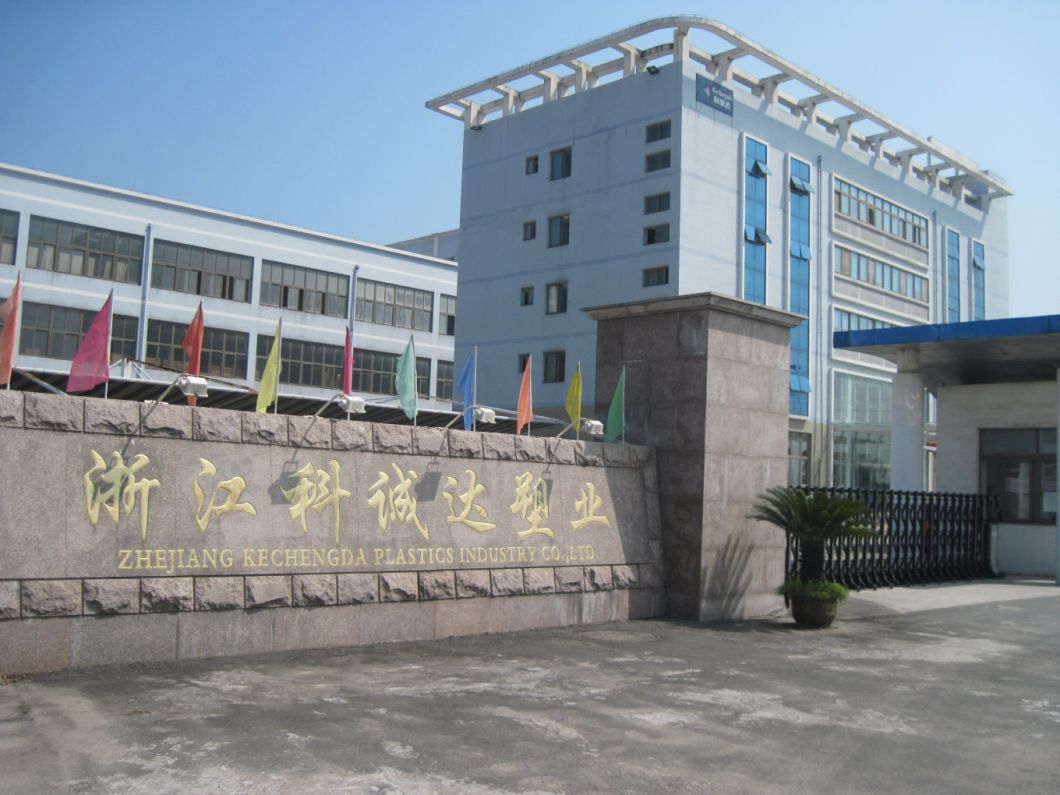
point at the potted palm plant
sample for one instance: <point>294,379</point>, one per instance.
<point>813,519</point>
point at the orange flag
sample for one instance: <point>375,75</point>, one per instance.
<point>192,346</point>
<point>91,365</point>
<point>9,317</point>
<point>525,408</point>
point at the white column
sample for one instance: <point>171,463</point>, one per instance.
<point>907,424</point>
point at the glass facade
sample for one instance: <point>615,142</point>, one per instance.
<point>393,305</point>
<point>953,276</point>
<point>201,271</point>
<point>304,289</point>
<point>978,281</point>
<point>861,439</point>
<point>799,287</point>
<point>756,174</point>
<point>845,320</point>
<point>84,250</point>
<point>1019,467</point>
<point>880,274</point>
<point>889,218</point>
<point>55,332</point>
<point>224,352</point>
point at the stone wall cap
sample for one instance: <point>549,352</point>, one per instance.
<point>683,303</point>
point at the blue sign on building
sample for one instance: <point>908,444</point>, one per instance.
<point>714,94</point>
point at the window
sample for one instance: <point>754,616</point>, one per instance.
<point>656,203</point>
<point>861,460</point>
<point>447,315</point>
<point>555,367</point>
<point>851,321</point>
<point>8,236</point>
<point>526,296</point>
<point>653,277</point>
<point>304,289</point>
<point>55,332</point>
<point>880,274</point>
<point>1019,467</point>
<point>531,165</point>
<point>555,298</point>
<point>560,163</point>
<point>444,388</point>
<point>374,372</point>
<point>861,401</point>
<point>558,230</point>
<point>756,175</point>
<point>523,359</point>
<point>873,210</point>
<point>224,353</point>
<point>529,230</point>
<point>84,250</point>
<point>799,445</point>
<point>978,281</point>
<point>303,363</point>
<point>656,234</point>
<point>201,271</point>
<point>394,305</point>
<point>657,131</point>
<point>657,161</point>
<point>799,287</point>
<point>953,276</point>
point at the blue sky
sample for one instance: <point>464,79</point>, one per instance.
<point>312,113</point>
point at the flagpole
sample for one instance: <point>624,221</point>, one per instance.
<point>474,388</point>
<point>279,365</point>
<point>415,381</point>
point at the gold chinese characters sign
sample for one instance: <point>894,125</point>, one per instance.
<point>166,507</point>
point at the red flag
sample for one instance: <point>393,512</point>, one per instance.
<point>9,317</point>
<point>525,408</point>
<point>91,366</point>
<point>347,364</point>
<point>192,346</point>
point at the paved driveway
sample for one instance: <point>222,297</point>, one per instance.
<point>945,689</point>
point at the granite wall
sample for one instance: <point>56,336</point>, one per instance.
<point>130,533</point>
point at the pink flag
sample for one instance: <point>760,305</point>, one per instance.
<point>9,315</point>
<point>91,366</point>
<point>347,365</point>
<point>524,412</point>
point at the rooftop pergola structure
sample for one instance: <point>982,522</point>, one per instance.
<point>640,48</point>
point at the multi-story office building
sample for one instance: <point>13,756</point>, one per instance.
<point>73,242</point>
<point>677,157</point>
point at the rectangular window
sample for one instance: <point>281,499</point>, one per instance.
<point>861,401</point>
<point>447,315</point>
<point>55,332</point>
<point>64,247</point>
<point>304,363</point>
<point>845,320</point>
<point>555,298</point>
<point>1019,467</point>
<point>953,276</point>
<point>653,277</point>
<point>978,281</point>
<point>657,131</point>
<point>879,274</point>
<point>558,230</point>
<point>394,305</point>
<point>224,352</point>
<point>799,446</point>
<point>529,230</point>
<point>656,203</point>
<point>657,161</point>
<point>523,359</point>
<point>444,388</point>
<point>889,218</point>
<point>201,271</point>
<point>560,163</point>
<point>304,289</point>
<point>861,459</point>
<point>656,234</point>
<point>555,367</point>
<point>756,175</point>
<point>799,287</point>
<point>531,165</point>
<point>8,236</point>
<point>526,296</point>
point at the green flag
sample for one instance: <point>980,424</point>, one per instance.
<point>270,376</point>
<point>616,415</point>
<point>406,381</point>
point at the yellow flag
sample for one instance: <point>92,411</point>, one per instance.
<point>270,377</point>
<point>574,396</point>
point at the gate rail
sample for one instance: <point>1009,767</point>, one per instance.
<point>924,537</point>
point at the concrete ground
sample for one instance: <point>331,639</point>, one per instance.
<point>941,689</point>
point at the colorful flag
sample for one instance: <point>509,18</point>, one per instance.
<point>192,346</point>
<point>466,384</point>
<point>347,364</point>
<point>574,398</point>
<point>91,365</point>
<point>525,408</point>
<point>270,377</point>
<point>406,381</point>
<point>9,317</point>
<point>616,415</point>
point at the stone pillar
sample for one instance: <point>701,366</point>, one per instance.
<point>707,386</point>
<point>907,424</point>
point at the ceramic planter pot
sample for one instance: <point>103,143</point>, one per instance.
<point>814,613</point>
